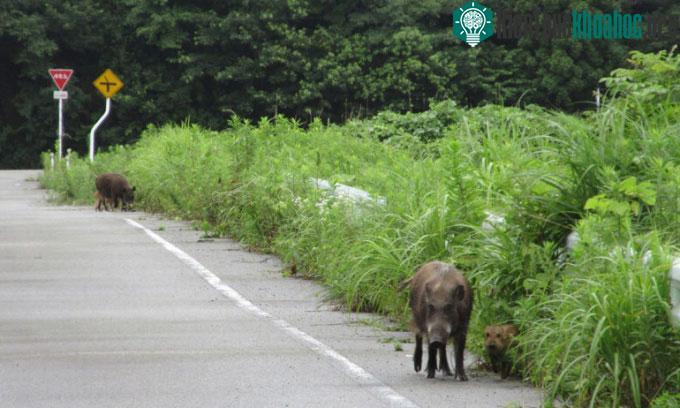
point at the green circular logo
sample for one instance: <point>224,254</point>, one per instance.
<point>473,23</point>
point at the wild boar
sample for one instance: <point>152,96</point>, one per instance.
<point>116,189</point>
<point>441,302</point>
<point>497,340</point>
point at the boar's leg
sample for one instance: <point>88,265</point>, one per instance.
<point>418,354</point>
<point>506,365</point>
<point>432,359</point>
<point>444,361</point>
<point>459,350</point>
<point>494,363</point>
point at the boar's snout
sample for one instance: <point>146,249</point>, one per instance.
<point>438,334</point>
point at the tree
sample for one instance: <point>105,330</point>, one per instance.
<point>206,61</point>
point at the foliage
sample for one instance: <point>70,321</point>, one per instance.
<point>666,400</point>
<point>603,338</point>
<point>653,78</point>
<point>206,61</point>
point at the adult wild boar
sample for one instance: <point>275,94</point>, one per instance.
<point>115,189</point>
<point>441,302</point>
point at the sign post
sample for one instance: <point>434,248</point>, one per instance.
<point>108,84</point>
<point>60,78</point>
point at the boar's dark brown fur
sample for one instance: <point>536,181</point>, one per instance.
<point>497,339</point>
<point>441,302</point>
<point>115,189</point>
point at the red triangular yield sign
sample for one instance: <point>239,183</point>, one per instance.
<point>61,77</point>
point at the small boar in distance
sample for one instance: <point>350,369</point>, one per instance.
<point>441,303</point>
<point>497,340</point>
<point>115,189</point>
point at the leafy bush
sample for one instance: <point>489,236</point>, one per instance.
<point>666,400</point>
<point>653,78</point>
<point>604,337</point>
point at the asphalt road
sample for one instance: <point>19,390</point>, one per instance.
<point>130,310</point>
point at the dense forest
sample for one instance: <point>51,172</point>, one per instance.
<point>205,61</point>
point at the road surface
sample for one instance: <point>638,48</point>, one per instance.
<point>130,310</point>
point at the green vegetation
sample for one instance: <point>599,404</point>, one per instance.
<point>667,400</point>
<point>593,320</point>
<point>209,60</point>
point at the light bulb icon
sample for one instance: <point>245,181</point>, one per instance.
<point>473,23</point>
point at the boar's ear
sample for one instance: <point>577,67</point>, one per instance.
<point>459,292</point>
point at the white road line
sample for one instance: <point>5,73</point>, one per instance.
<point>357,373</point>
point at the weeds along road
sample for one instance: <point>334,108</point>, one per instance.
<point>128,310</point>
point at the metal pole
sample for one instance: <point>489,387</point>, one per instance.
<point>61,129</point>
<point>96,125</point>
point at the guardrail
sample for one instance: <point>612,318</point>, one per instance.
<point>492,221</point>
<point>346,192</point>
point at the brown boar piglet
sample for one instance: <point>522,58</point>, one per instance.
<point>497,340</point>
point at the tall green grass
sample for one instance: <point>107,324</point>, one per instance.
<point>594,321</point>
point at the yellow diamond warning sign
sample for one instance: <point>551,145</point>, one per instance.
<point>108,83</point>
